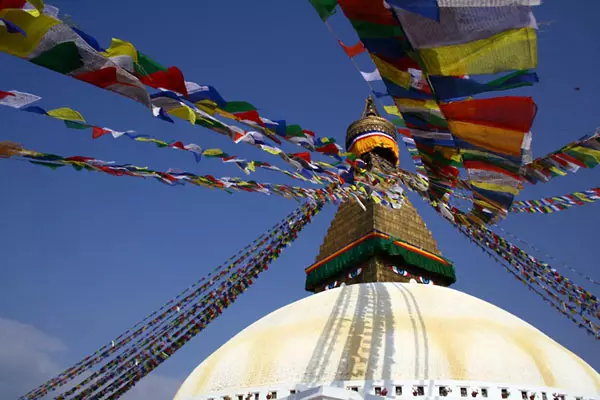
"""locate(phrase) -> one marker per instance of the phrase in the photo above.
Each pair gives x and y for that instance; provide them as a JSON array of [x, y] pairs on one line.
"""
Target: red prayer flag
[[250, 116], [367, 10], [304, 156], [330, 148], [78, 158], [5, 94], [178, 145], [171, 79], [353, 51], [4, 4], [511, 112], [97, 132], [404, 132], [102, 78]]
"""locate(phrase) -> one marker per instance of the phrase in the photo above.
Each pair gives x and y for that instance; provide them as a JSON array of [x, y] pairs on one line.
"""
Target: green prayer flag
[[371, 30], [47, 164], [239, 106], [147, 66], [325, 8], [62, 58], [76, 125], [294, 130]]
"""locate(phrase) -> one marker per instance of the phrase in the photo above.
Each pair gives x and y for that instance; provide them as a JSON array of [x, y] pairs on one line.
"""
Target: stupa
[[384, 323]]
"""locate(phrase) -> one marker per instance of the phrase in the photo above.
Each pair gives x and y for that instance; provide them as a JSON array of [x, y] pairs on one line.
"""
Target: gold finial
[[370, 108]]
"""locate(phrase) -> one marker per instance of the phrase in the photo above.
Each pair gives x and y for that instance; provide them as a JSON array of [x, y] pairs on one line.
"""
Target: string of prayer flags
[[582, 153], [123, 69], [581, 306], [420, 49], [534, 248], [334, 192], [549, 205], [305, 171], [115, 367]]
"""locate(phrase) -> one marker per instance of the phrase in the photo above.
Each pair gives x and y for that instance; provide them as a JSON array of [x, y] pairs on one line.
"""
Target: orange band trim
[[381, 235]]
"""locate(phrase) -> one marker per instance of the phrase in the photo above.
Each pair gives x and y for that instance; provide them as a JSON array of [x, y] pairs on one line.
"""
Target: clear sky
[[85, 255]]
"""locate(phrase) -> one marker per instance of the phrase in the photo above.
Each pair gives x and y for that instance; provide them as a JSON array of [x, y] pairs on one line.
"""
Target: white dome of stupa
[[392, 339]]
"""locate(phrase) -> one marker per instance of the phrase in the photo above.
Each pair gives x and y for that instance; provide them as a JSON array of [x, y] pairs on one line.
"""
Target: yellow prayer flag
[[388, 71], [207, 106], [392, 110], [271, 150], [120, 47], [151, 140], [34, 27], [226, 114], [515, 49], [495, 187], [184, 112], [558, 171], [38, 4], [587, 151], [416, 105], [213, 152], [499, 140], [66, 113]]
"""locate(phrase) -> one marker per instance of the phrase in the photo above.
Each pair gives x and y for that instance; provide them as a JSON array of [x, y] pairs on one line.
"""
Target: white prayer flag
[[19, 100], [371, 76]]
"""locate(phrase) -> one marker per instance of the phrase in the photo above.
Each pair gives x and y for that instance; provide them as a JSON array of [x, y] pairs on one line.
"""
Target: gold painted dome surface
[[390, 331]]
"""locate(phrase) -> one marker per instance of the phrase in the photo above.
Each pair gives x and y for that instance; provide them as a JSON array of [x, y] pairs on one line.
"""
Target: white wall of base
[[366, 390]]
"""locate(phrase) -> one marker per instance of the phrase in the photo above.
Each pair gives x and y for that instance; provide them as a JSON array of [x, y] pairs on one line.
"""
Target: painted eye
[[401, 272], [354, 274], [332, 285], [425, 281]]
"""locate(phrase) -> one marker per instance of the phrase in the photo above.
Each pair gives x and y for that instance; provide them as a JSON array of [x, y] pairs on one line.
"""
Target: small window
[[272, 395], [504, 393], [378, 390], [420, 391], [293, 391], [443, 391], [524, 394], [463, 392], [354, 388], [240, 397], [578, 398], [256, 396], [398, 390], [484, 392], [544, 396]]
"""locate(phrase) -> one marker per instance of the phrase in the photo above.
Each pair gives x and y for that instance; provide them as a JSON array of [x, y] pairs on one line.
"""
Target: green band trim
[[370, 247]]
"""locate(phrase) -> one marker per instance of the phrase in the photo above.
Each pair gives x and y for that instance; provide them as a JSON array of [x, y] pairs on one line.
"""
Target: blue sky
[[85, 255]]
